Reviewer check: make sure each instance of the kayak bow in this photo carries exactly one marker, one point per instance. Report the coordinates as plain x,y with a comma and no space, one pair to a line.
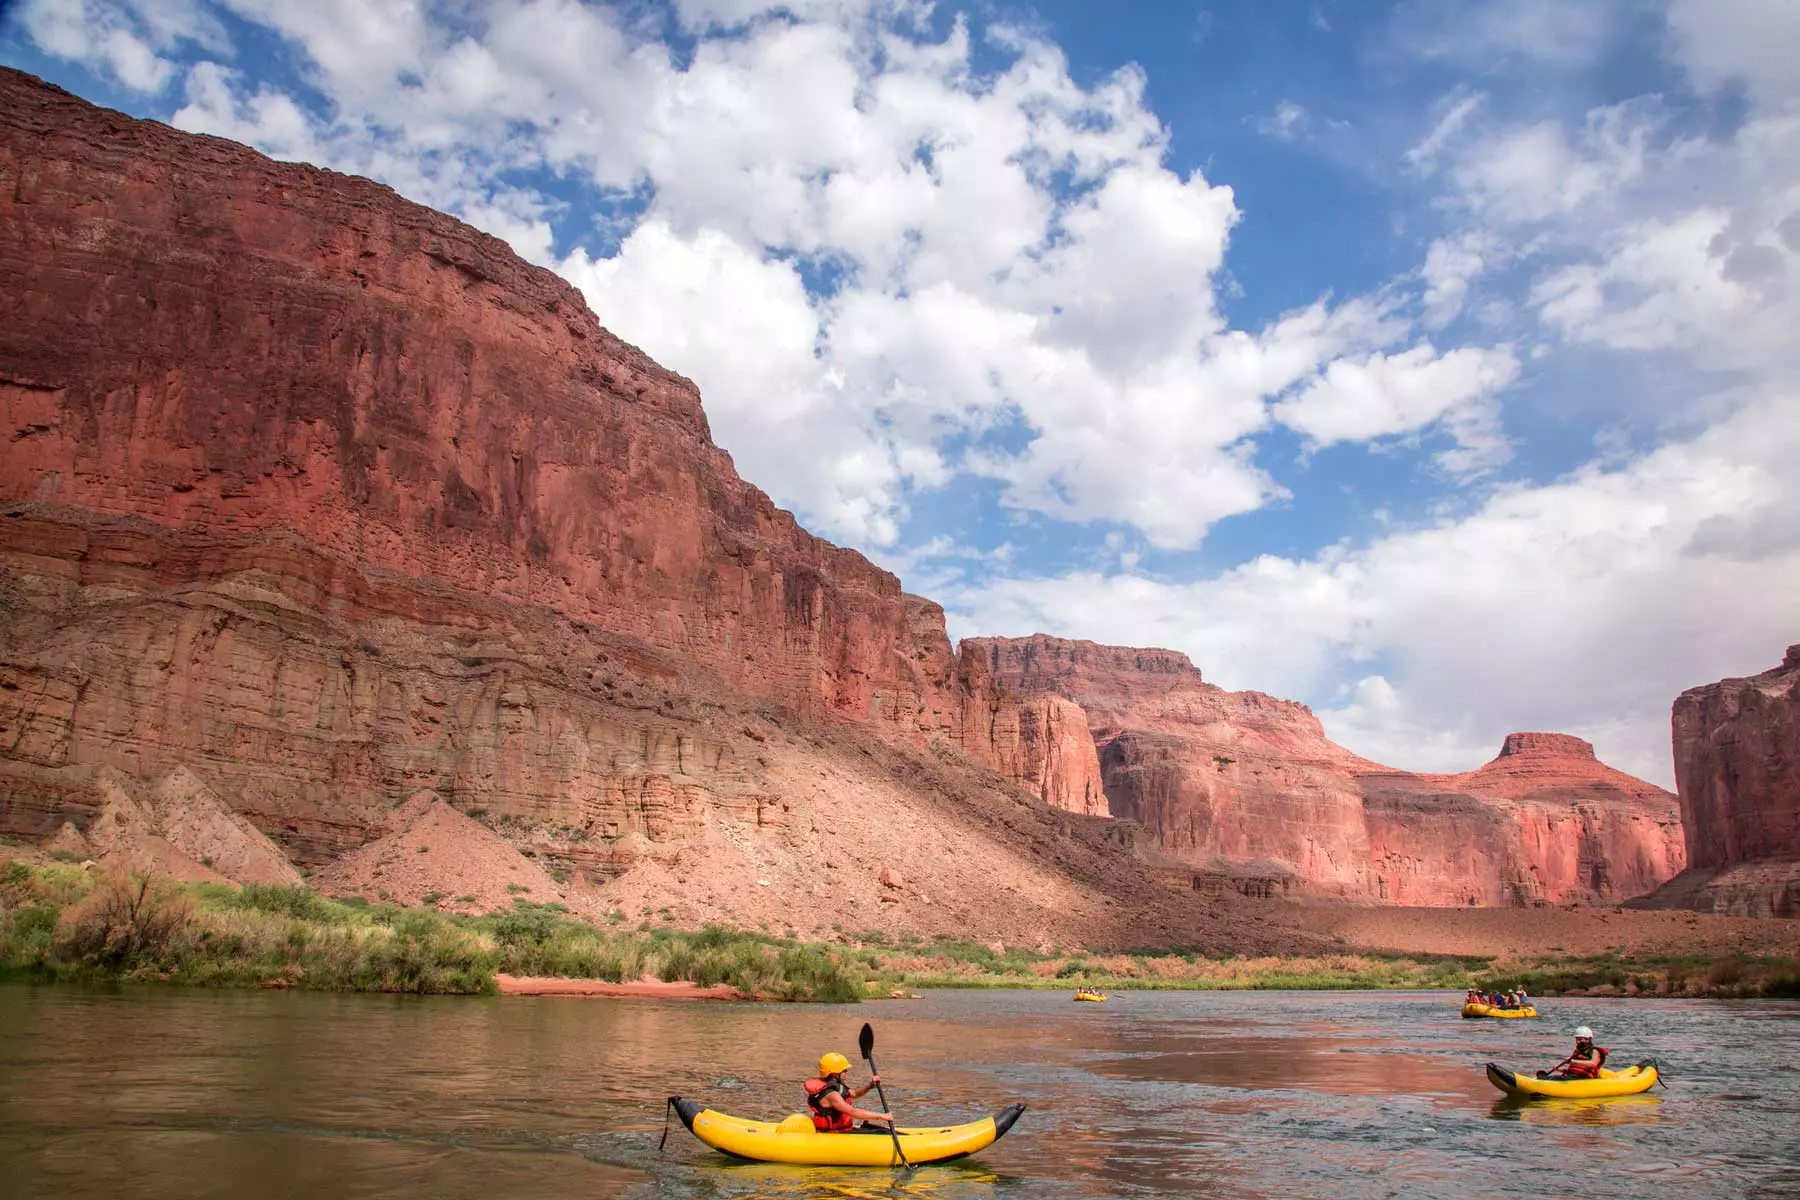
1628,1082
794,1140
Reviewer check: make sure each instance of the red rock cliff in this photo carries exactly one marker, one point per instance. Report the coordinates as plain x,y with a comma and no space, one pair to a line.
1249,787
333,500
1737,768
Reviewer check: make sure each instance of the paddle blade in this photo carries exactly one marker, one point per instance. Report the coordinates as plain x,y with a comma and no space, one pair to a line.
866,1039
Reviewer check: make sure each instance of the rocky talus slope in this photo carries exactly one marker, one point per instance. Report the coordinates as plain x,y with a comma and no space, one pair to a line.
1245,792
1737,768
327,500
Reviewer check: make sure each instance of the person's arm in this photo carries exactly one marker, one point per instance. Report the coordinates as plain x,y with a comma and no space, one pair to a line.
856,1114
866,1088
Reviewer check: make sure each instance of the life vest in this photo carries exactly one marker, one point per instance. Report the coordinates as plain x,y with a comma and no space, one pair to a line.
828,1120
1581,1070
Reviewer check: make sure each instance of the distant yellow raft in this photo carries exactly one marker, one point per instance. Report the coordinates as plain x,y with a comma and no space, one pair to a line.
1488,1010
1095,997
794,1140
1628,1082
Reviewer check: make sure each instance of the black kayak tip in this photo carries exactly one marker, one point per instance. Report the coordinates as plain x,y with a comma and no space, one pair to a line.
687,1110
1004,1119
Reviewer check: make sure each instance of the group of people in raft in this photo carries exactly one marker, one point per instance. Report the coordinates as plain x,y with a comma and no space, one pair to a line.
1516,998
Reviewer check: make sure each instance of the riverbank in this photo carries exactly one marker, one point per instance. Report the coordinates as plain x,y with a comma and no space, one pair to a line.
66,921
647,988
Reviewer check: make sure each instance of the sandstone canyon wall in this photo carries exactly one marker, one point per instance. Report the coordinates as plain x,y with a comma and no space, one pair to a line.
1247,788
1737,769
330,501
322,504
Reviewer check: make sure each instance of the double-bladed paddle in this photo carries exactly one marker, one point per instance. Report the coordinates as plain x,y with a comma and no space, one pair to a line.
866,1042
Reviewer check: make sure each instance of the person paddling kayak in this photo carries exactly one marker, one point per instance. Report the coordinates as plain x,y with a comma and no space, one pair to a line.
1585,1063
828,1099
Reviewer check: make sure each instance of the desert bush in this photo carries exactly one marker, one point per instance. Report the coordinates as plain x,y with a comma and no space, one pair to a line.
1727,972
127,919
298,902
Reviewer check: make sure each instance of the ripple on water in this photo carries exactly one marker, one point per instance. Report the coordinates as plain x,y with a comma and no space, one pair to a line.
170,1093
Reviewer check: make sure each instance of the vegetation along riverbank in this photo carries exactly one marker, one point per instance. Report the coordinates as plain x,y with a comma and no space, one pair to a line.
62,921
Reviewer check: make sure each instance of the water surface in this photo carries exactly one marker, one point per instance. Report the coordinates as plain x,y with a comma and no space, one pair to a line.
167,1093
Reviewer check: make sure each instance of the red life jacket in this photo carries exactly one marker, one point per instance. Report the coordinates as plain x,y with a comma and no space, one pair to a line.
1581,1070
828,1120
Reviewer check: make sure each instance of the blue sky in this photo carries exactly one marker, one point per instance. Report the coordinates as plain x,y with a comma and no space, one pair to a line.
1428,362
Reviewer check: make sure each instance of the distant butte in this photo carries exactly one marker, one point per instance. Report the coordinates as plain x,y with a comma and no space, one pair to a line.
1247,792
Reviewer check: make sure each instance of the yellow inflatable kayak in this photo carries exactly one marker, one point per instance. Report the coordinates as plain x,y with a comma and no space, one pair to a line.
794,1140
1628,1082
1488,1010
1096,997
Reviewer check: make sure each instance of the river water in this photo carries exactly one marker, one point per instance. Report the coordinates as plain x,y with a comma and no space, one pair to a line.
167,1093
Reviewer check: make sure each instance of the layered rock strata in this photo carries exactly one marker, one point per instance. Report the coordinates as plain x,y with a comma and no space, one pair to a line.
1248,791
330,500
1737,769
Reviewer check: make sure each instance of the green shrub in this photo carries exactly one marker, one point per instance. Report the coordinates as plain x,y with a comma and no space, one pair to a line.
126,921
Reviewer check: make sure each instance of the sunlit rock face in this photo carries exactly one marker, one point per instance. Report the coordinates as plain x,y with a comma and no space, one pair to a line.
1247,789
1737,768
330,500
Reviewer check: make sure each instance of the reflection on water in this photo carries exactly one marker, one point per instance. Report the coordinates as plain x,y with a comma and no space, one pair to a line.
190,1094
1645,1108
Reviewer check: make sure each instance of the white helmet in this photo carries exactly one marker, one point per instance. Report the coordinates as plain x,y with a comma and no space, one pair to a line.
1582,1031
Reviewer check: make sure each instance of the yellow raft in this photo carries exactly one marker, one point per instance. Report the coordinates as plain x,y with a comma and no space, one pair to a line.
1488,1010
794,1140
1096,997
1628,1082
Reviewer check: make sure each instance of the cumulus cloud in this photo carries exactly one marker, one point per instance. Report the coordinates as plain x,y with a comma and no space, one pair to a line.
130,41
1380,395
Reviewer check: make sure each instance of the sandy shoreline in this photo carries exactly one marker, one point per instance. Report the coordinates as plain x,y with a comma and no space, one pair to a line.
642,989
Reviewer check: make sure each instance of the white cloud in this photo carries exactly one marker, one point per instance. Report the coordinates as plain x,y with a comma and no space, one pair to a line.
1484,34
357,46
1285,123
1460,106
267,119
1452,265
1537,172
1380,395
1752,41
129,40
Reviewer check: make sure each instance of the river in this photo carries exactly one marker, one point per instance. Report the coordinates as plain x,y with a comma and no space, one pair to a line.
147,1092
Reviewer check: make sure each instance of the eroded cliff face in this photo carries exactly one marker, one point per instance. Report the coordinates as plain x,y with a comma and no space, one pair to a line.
332,502
1248,790
1544,820
1737,769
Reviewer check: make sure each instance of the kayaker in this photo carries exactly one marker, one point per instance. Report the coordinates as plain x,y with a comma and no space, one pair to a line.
828,1099
1585,1063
